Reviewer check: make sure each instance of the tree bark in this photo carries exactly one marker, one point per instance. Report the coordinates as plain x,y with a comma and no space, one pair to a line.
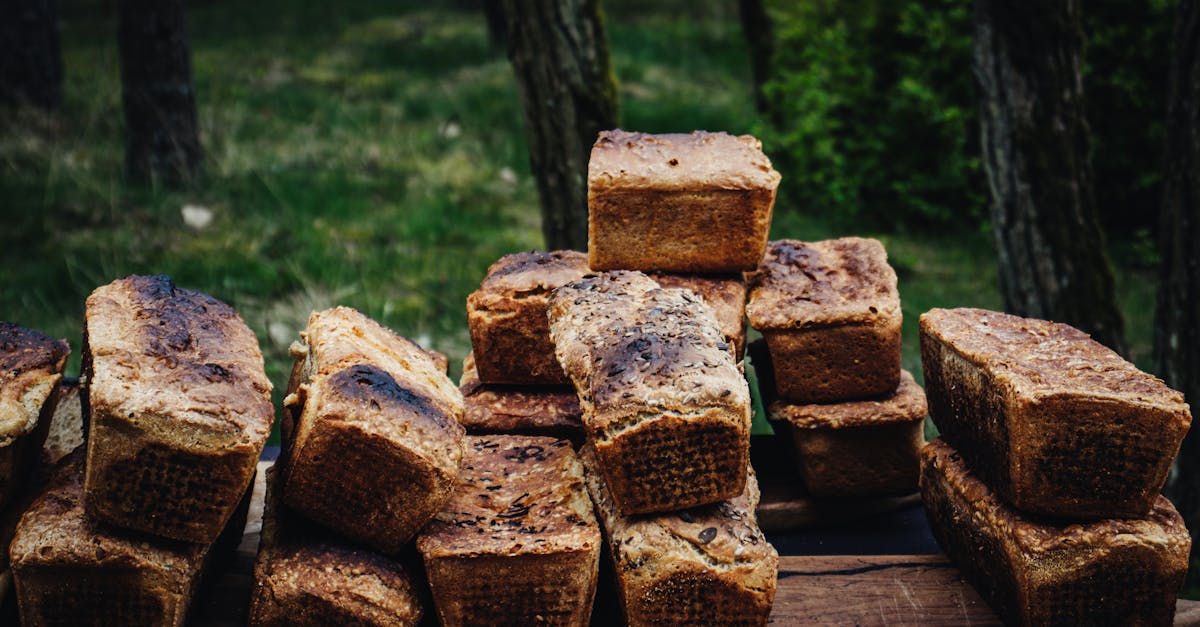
760,39
156,81
31,69
1035,150
559,54
1177,323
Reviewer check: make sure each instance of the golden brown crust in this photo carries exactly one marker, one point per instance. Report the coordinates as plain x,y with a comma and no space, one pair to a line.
801,285
520,508
705,565
1037,572
663,401
507,317
678,162
526,410
376,446
725,294
905,404
1000,392
31,364
176,391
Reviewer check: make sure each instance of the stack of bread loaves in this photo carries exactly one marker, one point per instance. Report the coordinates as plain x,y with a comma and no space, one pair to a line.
830,314
177,409
1044,486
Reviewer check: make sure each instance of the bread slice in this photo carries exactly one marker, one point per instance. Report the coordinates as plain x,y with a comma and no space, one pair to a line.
179,408
306,576
517,543
697,202
708,565
73,570
376,446
1035,572
1053,421
859,448
830,313
524,410
665,407
725,294
31,365
507,317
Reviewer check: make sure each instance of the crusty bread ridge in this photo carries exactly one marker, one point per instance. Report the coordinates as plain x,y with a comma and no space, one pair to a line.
524,410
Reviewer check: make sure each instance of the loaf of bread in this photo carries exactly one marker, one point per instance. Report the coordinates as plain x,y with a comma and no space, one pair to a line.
859,448
1036,572
1053,421
306,576
708,565
376,445
507,317
525,410
699,202
517,543
72,570
31,365
831,316
725,294
664,405
179,408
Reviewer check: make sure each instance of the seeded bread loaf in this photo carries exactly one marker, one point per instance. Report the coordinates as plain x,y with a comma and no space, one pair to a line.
664,405
1053,421
830,313
507,317
859,448
525,410
72,570
517,543
31,365
726,295
1034,572
179,408
708,565
698,202
306,576
375,449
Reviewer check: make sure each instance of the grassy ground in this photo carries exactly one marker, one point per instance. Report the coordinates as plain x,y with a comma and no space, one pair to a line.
371,154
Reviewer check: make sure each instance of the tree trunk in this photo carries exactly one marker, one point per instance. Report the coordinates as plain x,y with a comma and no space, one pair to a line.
30,59
760,39
559,55
497,26
156,81
1177,324
1035,150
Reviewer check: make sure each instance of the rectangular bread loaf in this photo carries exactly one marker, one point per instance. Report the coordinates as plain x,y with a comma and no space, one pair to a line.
72,570
698,202
1053,421
725,294
830,313
551,411
376,445
859,448
179,408
307,576
507,317
708,565
517,543
664,405
31,365
1034,572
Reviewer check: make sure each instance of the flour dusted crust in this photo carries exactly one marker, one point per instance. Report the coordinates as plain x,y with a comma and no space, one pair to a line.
520,509
1055,422
376,443
698,202
507,316
525,410
179,408
725,294
708,565
306,576
31,366
1035,572
663,403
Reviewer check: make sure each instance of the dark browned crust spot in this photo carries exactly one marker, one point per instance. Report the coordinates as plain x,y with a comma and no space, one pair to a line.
22,350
